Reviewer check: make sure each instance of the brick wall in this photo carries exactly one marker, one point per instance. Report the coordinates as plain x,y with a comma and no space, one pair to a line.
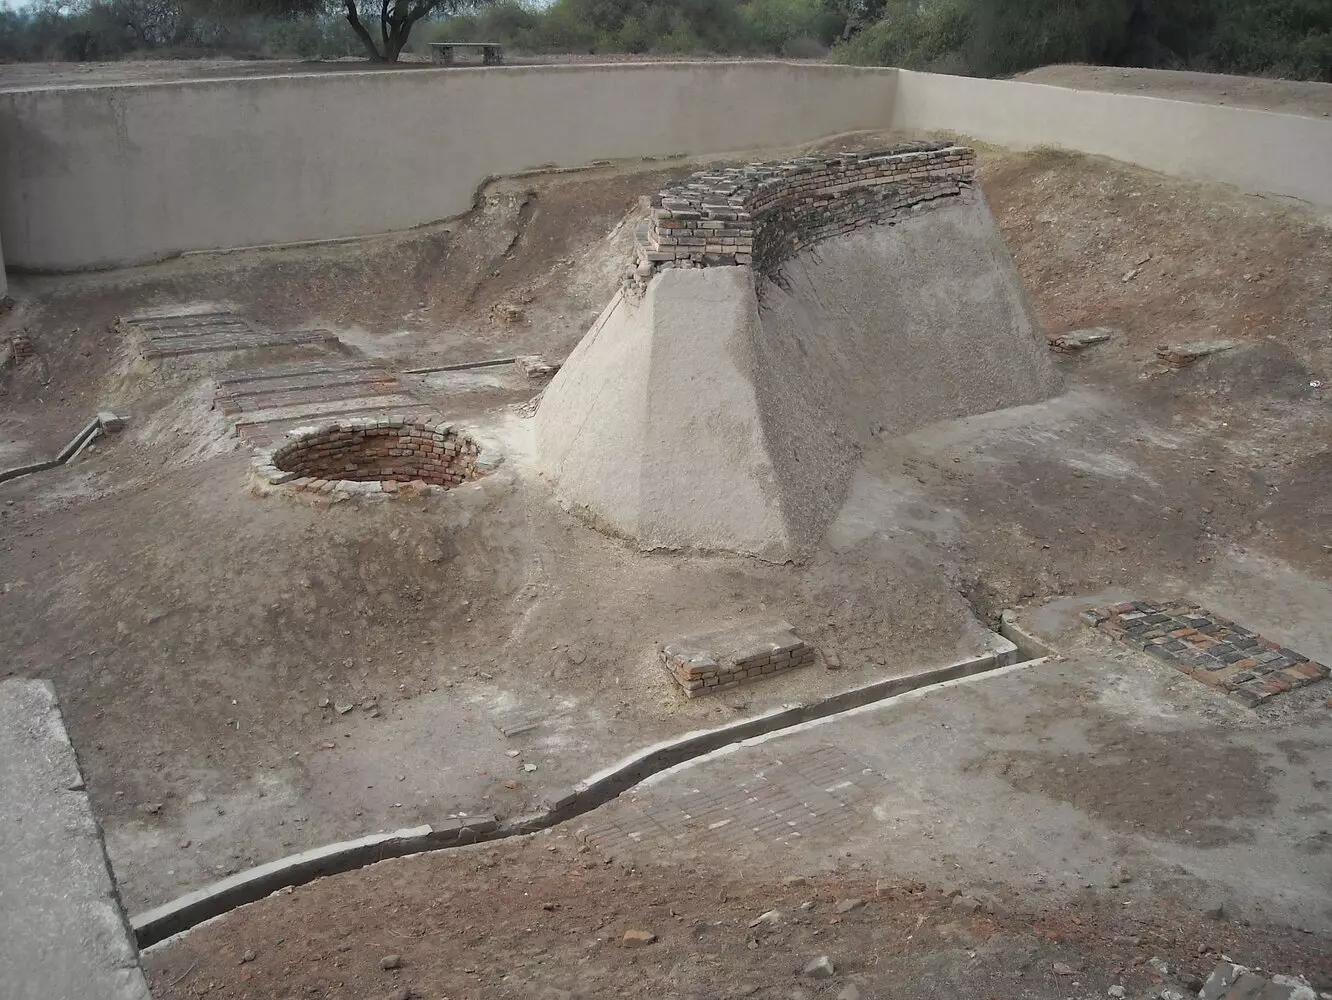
364,451
762,213
705,664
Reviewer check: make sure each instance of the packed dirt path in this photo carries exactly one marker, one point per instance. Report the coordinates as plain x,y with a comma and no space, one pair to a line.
1290,97
547,918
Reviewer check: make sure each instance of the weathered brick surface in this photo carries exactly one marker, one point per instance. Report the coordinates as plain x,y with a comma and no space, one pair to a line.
383,455
1209,648
819,794
722,659
199,333
763,213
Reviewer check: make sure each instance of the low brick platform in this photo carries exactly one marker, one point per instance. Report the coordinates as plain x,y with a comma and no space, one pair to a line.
763,213
713,661
171,335
1208,648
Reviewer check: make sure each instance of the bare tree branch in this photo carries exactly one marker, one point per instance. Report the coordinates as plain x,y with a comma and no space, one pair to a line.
361,33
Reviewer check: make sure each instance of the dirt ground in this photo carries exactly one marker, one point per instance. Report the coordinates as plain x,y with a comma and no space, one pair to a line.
26,75
192,629
1296,97
1290,97
557,913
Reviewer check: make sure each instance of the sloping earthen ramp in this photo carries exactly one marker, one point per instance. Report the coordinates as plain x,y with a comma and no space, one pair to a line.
724,400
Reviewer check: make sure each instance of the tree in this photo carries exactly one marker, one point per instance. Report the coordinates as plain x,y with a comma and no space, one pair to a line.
396,20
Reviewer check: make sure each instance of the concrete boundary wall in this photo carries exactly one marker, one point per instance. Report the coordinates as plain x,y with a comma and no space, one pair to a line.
100,176
105,176
1256,151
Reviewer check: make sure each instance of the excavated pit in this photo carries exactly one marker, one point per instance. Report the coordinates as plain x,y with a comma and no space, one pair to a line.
396,451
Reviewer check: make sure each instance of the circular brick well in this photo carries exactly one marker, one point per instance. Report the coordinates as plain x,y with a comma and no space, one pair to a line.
394,451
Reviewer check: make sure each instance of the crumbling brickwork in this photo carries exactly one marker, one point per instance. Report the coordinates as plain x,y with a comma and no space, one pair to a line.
401,454
762,213
719,660
376,455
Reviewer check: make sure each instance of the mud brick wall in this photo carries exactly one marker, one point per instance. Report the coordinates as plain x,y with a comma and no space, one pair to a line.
386,450
762,213
698,673
22,348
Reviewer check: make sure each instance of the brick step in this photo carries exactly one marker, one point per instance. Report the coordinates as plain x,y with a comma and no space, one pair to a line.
209,343
307,380
265,434
396,403
218,327
264,400
313,367
184,319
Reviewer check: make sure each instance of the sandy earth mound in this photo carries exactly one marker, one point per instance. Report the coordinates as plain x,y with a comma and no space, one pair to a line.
718,413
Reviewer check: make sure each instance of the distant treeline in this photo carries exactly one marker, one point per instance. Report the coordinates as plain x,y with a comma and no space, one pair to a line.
94,30
1290,38
1287,38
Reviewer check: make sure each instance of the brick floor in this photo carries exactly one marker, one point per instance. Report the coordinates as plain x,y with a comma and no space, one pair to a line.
771,799
199,333
1209,648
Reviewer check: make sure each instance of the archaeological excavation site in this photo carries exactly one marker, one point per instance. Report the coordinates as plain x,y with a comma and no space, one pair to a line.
859,534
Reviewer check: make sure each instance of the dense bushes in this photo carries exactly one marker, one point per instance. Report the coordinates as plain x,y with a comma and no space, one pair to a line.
1291,38
777,27
111,29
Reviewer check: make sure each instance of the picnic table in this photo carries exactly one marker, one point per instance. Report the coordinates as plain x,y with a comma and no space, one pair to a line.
492,53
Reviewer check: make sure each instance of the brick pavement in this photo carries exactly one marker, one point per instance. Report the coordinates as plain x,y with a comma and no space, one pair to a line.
750,798
173,335
1209,648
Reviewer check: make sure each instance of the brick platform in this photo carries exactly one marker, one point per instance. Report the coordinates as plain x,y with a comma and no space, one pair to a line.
175,334
763,213
1208,648
717,660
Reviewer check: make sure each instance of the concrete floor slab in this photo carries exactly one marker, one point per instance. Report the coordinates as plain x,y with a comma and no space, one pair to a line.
63,935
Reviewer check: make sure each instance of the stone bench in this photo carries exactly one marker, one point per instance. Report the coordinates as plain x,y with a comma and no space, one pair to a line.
442,53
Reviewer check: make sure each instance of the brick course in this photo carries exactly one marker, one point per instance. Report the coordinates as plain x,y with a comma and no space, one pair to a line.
763,213
714,662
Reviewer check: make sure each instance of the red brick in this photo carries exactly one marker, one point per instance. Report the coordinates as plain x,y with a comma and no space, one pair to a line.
1275,683
1216,678
1308,671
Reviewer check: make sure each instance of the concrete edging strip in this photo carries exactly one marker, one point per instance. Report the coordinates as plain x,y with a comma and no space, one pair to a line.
99,426
192,909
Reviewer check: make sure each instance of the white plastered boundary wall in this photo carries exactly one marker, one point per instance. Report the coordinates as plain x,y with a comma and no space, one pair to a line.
98,176
1256,151
104,176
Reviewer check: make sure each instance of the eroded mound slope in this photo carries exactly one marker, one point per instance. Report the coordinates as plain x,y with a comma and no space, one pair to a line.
726,411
